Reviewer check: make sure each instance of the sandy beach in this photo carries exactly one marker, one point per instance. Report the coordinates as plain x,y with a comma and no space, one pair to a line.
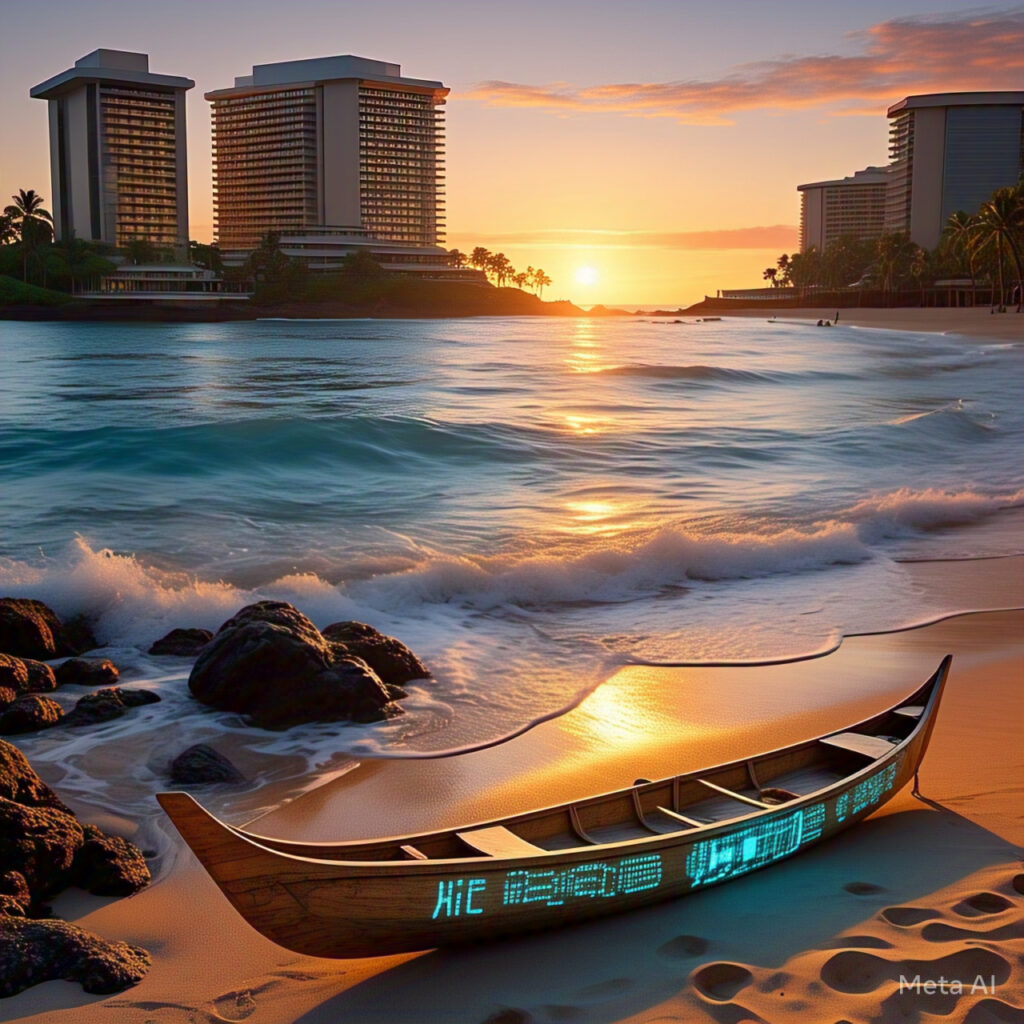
929,888
932,889
976,323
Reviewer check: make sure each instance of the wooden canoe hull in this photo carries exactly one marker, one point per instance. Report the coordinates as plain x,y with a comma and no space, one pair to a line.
348,908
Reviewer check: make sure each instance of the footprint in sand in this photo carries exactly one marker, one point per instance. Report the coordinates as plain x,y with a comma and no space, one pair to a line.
907,917
1018,883
855,972
862,888
683,946
981,904
857,942
508,1015
605,989
721,981
947,932
993,1011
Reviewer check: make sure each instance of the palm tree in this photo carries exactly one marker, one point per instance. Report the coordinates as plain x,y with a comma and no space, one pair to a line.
480,258
501,267
540,281
456,258
783,264
894,254
960,237
771,274
1000,224
520,279
76,257
7,232
33,224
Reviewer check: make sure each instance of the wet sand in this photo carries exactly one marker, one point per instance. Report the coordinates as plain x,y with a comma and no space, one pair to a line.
932,888
975,322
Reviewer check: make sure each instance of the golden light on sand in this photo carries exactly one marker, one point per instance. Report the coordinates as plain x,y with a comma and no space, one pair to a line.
587,275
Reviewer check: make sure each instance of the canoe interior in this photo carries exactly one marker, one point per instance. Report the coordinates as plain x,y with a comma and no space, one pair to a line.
677,805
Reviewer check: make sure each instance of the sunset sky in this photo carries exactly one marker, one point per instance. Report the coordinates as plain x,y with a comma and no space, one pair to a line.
657,142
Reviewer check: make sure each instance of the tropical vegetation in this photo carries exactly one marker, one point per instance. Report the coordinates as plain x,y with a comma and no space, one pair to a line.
984,249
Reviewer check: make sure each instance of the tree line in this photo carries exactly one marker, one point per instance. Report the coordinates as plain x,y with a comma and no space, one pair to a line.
986,248
498,266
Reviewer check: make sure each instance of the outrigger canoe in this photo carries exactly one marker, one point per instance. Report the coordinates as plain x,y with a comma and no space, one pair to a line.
650,842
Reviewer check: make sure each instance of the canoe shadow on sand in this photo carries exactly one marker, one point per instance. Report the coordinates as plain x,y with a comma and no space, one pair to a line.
698,949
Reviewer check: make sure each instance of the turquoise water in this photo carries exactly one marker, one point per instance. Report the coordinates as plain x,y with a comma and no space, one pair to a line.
527,502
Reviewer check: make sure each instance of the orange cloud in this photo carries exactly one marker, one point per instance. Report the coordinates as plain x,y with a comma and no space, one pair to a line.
776,237
901,57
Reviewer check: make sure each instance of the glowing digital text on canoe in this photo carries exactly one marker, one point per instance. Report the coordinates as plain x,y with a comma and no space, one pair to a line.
459,897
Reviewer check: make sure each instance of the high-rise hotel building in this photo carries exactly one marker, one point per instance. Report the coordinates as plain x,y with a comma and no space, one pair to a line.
950,152
310,147
117,151
853,206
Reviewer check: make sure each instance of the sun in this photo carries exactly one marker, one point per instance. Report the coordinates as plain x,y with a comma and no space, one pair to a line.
587,275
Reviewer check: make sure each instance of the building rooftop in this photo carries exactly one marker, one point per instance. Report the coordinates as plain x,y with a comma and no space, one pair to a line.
869,176
322,69
107,66
958,99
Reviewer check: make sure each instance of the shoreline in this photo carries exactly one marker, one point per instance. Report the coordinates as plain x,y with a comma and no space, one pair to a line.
788,927
968,322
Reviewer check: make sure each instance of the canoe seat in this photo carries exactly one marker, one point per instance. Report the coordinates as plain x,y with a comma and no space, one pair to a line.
773,796
858,743
910,711
413,853
498,841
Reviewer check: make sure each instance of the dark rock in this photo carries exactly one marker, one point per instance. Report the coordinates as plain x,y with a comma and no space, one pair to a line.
30,714
30,629
388,657
78,636
13,674
182,643
105,705
14,887
280,613
395,692
137,698
93,708
109,865
39,842
10,907
40,676
87,672
19,782
7,696
32,952
200,764
282,677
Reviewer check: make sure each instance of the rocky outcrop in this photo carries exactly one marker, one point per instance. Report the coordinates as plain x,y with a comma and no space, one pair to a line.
109,865
388,657
201,764
105,705
87,672
43,849
29,629
41,678
20,784
14,893
280,613
182,643
32,952
280,677
30,714
40,843
13,674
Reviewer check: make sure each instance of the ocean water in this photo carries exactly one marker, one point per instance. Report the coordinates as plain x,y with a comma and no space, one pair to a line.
527,502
